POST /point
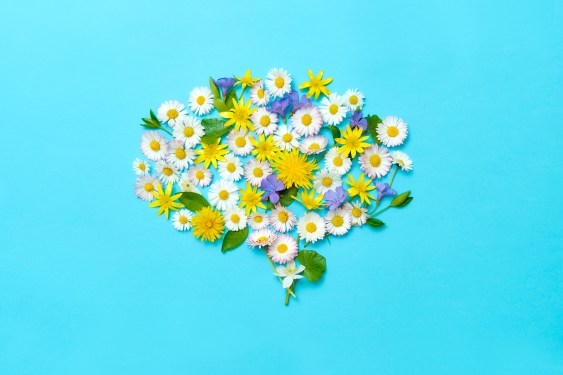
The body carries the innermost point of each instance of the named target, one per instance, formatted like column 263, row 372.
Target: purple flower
column 280, row 106
column 358, row 121
column 225, row 84
column 335, row 198
column 383, row 190
column 298, row 103
column 271, row 185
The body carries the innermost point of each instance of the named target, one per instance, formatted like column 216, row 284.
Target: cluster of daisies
column 274, row 148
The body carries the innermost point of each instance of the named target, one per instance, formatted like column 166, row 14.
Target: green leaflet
column 335, row 132
column 221, row 107
column 407, row 201
column 193, row 201
column 315, row 264
column 232, row 94
column 373, row 120
column 214, row 89
column 152, row 122
column 400, row 199
column 286, row 196
column 375, row 222
column 214, row 128
column 233, row 240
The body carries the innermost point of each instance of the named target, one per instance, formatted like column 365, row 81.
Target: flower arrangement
column 253, row 160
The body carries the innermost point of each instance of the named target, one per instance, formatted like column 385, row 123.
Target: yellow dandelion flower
column 264, row 148
column 239, row 115
column 316, row 85
column 208, row 224
column 211, row 153
column 308, row 200
column 164, row 200
column 352, row 141
column 293, row 169
column 246, row 80
column 360, row 187
column 251, row 198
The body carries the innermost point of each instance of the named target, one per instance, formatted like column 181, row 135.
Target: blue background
column 468, row 279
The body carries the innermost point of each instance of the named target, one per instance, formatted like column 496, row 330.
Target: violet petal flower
column 298, row 103
column 335, row 198
column 383, row 190
column 271, row 185
column 279, row 106
column 357, row 120
column 225, row 84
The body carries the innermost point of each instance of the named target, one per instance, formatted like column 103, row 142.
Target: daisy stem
column 163, row 128
column 279, row 277
column 390, row 184
column 287, row 293
column 380, row 211
column 241, row 93
column 393, row 176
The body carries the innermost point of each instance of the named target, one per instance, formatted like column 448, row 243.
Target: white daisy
column 153, row 145
column 167, row 172
column 311, row 227
column 223, row 194
column 333, row 109
column 282, row 219
column 338, row 222
column 261, row 238
column 141, row 167
column 289, row 273
column 258, row 96
column 239, row 143
column 231, row 168
column 182, row 220
column 313, row 145
column 307, row 120
column 392, row 131
column 375, row 161
column 265, row 122
column 358, row 213
column 201, row 100
column 186, row 185
column 286, row 138
column 402, row 160
column 258, row 220
column 179, row 155
column 283, row 249
column 255, row 171
column 336, row 162
column 199, row 175
column 278, row 83
column 354, row 99
column 171, row 111
column 189, row 130
column 235, row 218
column 326, row 180
column 144, row 186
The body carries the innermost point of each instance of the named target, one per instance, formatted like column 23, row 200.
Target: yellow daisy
column 264, row 148
column 293, row 168
column 239, row 115
column 316, row 85
column 360, row 187
column 251, row 198
column 208, row 224
column 246, row 80
column 164, row 200
column 211, row 153
column 352, row 141
column 308, row 200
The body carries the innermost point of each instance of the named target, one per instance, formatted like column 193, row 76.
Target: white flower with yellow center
column 278, row 82
column 153, row 145
column 289, row 273
column 354, row 99
column 261, row 238
column 282, row 219
column 338, row 222
column 313, row 145
column 171, row 111
column 283, row 249
column 358, row 213
column 255, row 171
column 392, row 131
column 258, row 220
column 334, row 109
column 186, row 185
column 141, row 167
column 223, row 194
column 235, row 218
column 375, row 161
column 402, row 160
column 326, row 180
column 259, row 96
column 167, row 172
column 286, row 138
column 144, row 186
column 239, row 142
column 182, row 220
column 199, row 175
column 311, row 227
column 231, row 168
column 265, row 122
column 179, row 155
column 201, row 100
column 189, row 130
column 336, row 162
column 307, row 120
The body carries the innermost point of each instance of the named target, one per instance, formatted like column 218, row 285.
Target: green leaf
column 232, row 94
column 214, row 89
column 400, row 199
column 335, row 132
column 373, row 121
column 286, row 195
column 193, row 201
column 150, row 125
column 214, row 128
column 315, row 264
column 375, row 222
column 407, row 201
column 221, row 107
column 233, row 240
column 154, row 117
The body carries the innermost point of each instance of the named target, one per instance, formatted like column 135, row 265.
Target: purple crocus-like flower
column 271, row 185
column 280, row 106
column 298, row 103
column 383, row 190
column 225, row 84
column 357, row 120
column 335, row 198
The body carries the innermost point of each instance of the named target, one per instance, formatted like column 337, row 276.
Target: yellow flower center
column 287, row 137
column 209, row 223
column 240, row 142
column 142, row 166
column 223, row 195
column 149, row 187
column 189, row 131
column 235, row 218
column 337, row 161
column 375, row 160
column 200, row 100
column 311, row 227
column 333, row 109
column 154, row 145
column 327, row 182
column 258, row 218
column 180, row 153
column 260, row 93
column 199, row 175
column 183, row 220
column 167, row 171
column 401, row 162
column 356, row 212
column 265, row 121
column 314, row 146
column 262, row 239
column 258, row 172
column 279, row 82
column 283, row 217
column 337, row 221
column 282, row 248
column 392, row 131
column 231, row 167
column 172, row 113
column 306, row 119
column 353, row 100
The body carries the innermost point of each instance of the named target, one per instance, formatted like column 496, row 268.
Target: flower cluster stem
column 289, row 291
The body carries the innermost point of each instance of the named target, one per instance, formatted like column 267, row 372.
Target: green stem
column 279, row 277
column 163, row 128
column 390, row 184
column 380, row 211
column 287, row 293
column 393, row 176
